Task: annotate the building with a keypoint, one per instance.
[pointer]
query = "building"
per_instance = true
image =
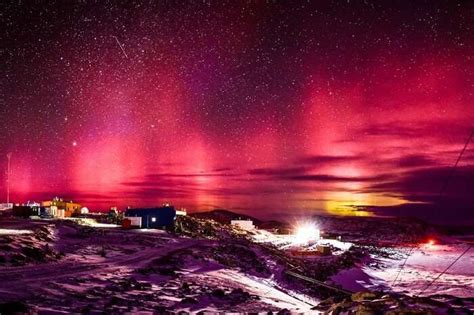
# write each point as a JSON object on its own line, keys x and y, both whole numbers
{"x": 29, "y": 209}
{"x": 246, "y": 225}
{"x": 6, "y": 206}
{"x": 150, "y": 218}
{"x": 84, "y": 210}
{"x": 181, "y": 211}
{"x": 61, "y": 209}
{"x": 324, "y": 250}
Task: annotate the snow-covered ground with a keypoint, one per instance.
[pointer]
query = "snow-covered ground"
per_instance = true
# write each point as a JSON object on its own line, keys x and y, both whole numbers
{"x": 14, "y": 232}
{"x": 104, "y": 267}
{"x": 273, "y": 294}
{"x": 287, "y": 241}
{"x": 64, "y": 267}
{"x": 422, "y": 265}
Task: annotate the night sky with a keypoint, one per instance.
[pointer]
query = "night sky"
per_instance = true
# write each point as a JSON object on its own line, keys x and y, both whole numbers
{"x": 268, "y": 108}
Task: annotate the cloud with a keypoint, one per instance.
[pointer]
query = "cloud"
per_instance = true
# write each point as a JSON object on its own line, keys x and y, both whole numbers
{"x": 322, "y": 160}
{"x": 430, "y": 181}
{"x": 413, "y": 160}
{"x": 332, "y": 178}
{"x": 434, "y": 194}
{"x": 279, "y": 171}
{"x": 434, "y": 213}
{"x": 304, "y": 173}
{"x": 442, "y": 130}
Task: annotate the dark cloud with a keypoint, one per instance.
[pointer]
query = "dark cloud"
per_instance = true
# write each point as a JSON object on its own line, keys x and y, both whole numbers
{"x": 322, "y": 160}
{"x": 414, "y": 160}
{"x": 436, "y": 213}
{"x": 280, "y": 171}
{"x": 389, "y": 129}
{"x": 306, "y": 174}
{"x": 443, "y": 130}
{"x": 435, "y": 193}
{"x": 430, "y": 181}
{"x": 332, "y": 178}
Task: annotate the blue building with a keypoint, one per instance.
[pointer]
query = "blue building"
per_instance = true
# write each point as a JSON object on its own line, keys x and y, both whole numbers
{"x": 151, "y": 218}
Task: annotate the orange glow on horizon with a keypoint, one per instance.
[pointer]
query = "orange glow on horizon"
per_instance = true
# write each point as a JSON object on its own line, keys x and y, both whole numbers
{"x": 345, "y": 203}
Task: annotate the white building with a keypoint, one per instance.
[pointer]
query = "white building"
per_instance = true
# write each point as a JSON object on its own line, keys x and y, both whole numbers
{"x": 246, "y": 225}
{"x": 6, "y": 206}
{"x": 181, "y": 211}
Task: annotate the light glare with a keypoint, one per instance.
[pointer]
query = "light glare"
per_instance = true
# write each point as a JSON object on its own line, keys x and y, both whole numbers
{"x": 305, "y": 233}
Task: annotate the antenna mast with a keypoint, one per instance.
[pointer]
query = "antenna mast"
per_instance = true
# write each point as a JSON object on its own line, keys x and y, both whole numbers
{"x": 9, "y": 156}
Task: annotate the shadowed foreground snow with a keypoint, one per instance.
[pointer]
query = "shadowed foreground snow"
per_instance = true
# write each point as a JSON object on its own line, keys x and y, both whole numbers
{"x": 126, "y": 271}
{"x": 60, "y": 266}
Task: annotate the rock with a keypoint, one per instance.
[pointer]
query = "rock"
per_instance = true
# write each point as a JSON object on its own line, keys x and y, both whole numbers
{"x": 15, "y": 307}
{"x": 167, "y": 271}
{"x": 17, "y": 259}
{"x": 185, "y": 287}
{"x": 363, "y": 296}
{"x": 219, "y": 293}
{"x": 189, "y": 300}
{"x": 34, "y": 253}
{"x": 238, "y": 295}
{"x": 340, "y": 307}
{"x": 116, "y": 300}
{"x": 6, "y": 247}
{"x": 160, "y": 309}
{"x": 143, "y": 286}
{"x": 365, "y": 310}
{"x": 325, "y": 303}
{"x": 410, "y": 311}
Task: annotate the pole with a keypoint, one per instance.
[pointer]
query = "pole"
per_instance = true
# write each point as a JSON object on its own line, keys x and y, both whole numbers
{"x": 9, "y": 156}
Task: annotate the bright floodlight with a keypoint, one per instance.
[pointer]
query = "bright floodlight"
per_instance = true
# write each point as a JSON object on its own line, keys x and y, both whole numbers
{"x": 305, "y": 233}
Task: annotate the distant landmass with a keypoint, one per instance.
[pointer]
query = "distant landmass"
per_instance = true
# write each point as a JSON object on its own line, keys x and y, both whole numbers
{"x": 345, "y": 225}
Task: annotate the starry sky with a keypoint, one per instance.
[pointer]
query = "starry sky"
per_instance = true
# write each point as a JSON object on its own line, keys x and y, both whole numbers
{"x": 271, "y": 108}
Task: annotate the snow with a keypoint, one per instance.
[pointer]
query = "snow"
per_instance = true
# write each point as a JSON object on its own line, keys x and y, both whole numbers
{"x": 105, "y": 225}
{"x": 422, "y": 266}
{"x": 92, "y": 223}
{"x": 139, "y": 270}
{"x": 353, "y": 279}
{"x": 14, "y": 232}
{"x": 154, "y": 231}
{"x": 99, "y": 263}
{"x": 268, "y": 290}
{"x": 287, "y": 241}
{"x": 343, "y": 246}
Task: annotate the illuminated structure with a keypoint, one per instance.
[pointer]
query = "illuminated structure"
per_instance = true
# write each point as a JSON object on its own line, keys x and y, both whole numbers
{"x": 305, "y": 233}
{"x": 84, "y": 210}
{"x": 181, "y": 211}
{"x": 61, "y": 209}
{"x": 150, "y": 218}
